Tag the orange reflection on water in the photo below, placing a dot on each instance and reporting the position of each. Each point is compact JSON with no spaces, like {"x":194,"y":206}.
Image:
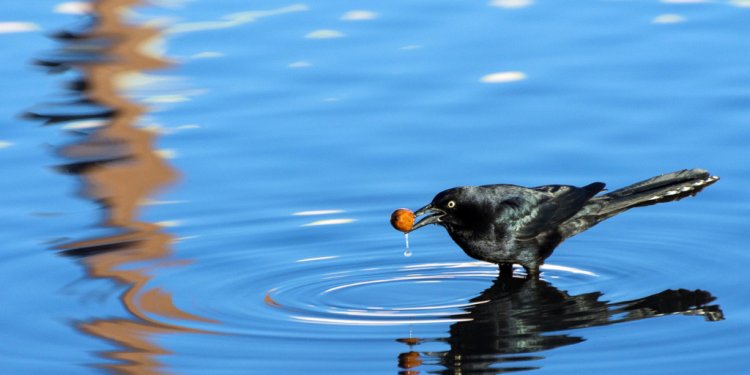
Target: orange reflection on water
{"x":119,"y":169}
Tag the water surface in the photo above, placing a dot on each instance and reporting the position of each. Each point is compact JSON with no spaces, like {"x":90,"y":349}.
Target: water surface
{"x":205,"y":186}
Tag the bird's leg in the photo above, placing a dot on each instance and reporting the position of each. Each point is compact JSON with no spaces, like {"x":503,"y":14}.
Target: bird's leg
{"x":506,"y":269}
{"x":532,"y":271}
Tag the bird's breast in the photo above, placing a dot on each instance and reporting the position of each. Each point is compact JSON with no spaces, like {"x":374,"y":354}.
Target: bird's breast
{"x":491,"y":245}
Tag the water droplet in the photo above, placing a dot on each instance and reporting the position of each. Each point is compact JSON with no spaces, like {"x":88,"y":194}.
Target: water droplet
{"x":407,"y":252}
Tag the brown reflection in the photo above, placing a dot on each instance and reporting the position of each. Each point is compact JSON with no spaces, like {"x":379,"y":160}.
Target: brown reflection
{"x":514,"y":321}
{"x":119,"y":169}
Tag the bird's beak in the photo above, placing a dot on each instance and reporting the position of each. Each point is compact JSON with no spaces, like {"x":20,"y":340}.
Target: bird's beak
{"x":434,"y":216}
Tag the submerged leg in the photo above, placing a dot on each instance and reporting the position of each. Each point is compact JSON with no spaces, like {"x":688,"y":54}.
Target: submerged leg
{"x":506,"y":269}
{"x":532,"y":272}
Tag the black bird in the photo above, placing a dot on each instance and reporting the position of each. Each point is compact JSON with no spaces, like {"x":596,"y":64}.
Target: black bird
{"x":509,"y":224}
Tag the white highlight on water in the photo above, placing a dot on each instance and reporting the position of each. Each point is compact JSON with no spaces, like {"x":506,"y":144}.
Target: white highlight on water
{"x":503,"y":77}
{"x":300,"y":64}
{"x":316,"y":259}
{"x":329,"y":222}
{"x":73,"y":7}
{"x":511,"y":4}
{"x":668,"y":18}
{"x":493,"y":267}
{"x":353,"y":322}
{"x":325,"y":34}
{"x":359,"y":15}
{"x":234,"y":19}
{"x":17,"y":27}
{"x":317,"y":212}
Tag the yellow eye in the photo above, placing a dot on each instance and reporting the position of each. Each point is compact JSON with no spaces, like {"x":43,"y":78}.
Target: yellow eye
{"x":451,"y":204}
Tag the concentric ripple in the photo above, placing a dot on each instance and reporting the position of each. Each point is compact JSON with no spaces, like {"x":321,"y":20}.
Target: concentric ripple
{"x":342,"y":291}
{"x":390,"y":295}
{"x":412,"y":294}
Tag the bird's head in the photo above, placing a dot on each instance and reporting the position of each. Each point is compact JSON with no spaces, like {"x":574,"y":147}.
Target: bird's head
{"x":452,"y":208}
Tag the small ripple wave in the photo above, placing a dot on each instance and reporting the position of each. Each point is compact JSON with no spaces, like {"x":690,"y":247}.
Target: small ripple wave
{"x":303,"y":299}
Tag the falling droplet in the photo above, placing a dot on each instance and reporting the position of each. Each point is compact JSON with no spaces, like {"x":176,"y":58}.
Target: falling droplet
{"x":407,"y":252}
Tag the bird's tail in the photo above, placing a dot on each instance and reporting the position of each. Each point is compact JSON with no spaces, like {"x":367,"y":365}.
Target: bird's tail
{"x":664,"y":188}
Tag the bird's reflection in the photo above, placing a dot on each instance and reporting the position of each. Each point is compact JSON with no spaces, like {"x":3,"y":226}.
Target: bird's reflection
{"x":512,"y":322}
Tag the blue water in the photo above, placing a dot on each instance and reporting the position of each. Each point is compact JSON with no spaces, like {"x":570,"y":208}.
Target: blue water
{"x":195,"y":186}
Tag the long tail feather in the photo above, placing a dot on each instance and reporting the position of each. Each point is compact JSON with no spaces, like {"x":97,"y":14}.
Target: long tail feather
{"x":664,"y":188}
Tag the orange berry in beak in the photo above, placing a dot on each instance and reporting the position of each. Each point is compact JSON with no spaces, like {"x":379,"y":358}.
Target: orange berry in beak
{"x":402,"y":219}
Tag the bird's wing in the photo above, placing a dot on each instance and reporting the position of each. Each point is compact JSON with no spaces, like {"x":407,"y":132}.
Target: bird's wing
{"x":557,"y":204}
